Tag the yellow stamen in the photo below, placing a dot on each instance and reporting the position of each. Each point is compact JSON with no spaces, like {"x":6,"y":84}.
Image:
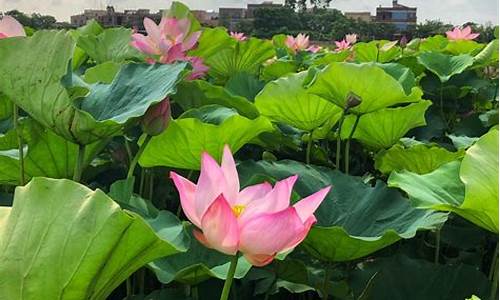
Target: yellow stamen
{"x":238,"y":210}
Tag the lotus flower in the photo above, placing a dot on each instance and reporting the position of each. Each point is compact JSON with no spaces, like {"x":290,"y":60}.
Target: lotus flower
{"x":342,"y":45}
{"x":169,"y":41}
{"x":351,"y":38}
{"x":314,"y":49}
{"x":301,"y":42}
{"x":257,"y":221}
{"x":464,"y":34}
{"x":10,"y":27}
{"x":239,"y":36}
{"x":199,"y":69}
{"x":157,"y":118}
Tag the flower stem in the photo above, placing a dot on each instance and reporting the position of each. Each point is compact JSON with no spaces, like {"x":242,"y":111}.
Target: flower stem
{"x":494,"y":263}
{"x":229,"y":278}
{"x":325,"y":283}
{"x":339,"y":142}
{"x":494,"y":275}
{"x":348,"y":145}
{"x":436,"y":250}
{"x":308,"y":149}
{"x":15,"y":117}
{"x":77,"y":175}
{"x":134,"y":161}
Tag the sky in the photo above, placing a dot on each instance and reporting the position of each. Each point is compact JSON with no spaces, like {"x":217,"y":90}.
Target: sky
{"x":453,"y":11}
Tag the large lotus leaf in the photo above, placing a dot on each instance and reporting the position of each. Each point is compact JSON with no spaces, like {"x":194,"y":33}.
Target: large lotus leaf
{"x":445,"y":66}
{"x":5,"y":107}
{"x":211,"y":42}
{"x":46,"y":154}
{"x":196,"y":93}
{"x":402,"y":278}
{"x":489,"y":55}
{"x":384,"y":128}
{"x":244,"y":57}
{"x":376,"y":88}
{"x":469,"y":189}
{"x":196,"y":265}
{"x":401,"y":73}
{"x":376,"y":52}
{"x":112,"y":44}
{"x":420,"y":158}
{"x":245,"y":85}
{"x":435,"y":43}
{"x":463,"y":47}
{"x":355,"y":219}
{"x":103,"y":73}
{"x":286,"y":100}
{"x":62,"y":240}
{"x":278,"y":69}
{"x":181,"y":145}
{"x":48,"y":94}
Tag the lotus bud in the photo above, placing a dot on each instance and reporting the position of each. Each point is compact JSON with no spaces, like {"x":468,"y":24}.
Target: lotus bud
{"x":353,"y":100}
{"x":403,"y":42}
{"x":157,"y":118}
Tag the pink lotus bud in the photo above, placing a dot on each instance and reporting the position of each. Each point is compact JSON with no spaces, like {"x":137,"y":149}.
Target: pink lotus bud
{"x":10,"y":27}
{"x":157,"y":118}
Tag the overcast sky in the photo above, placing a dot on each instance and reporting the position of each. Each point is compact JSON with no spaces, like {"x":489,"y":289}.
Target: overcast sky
{"x":453,"y":11}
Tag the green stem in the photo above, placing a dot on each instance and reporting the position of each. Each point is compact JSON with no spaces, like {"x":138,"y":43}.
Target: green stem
{"x":151,"y":185}
{"x":77,"y":175}
{"x":339,"y":142}
{"x":129,"y":288}
{"x":441,"y":108}
{"x":494,"y":284}
{"x":229,"y":278}
{"x":308,"y":149}
{"x":141,"y":275}
{"x":325,"y":283}
{"x":494,"y":264}
{"x":134,"y":161}
{"x":436,"y":250}
{"x":127,"y":148}
{"x":348,"y":145}
{"x":194,"y":292}
{"x":15,"y":117}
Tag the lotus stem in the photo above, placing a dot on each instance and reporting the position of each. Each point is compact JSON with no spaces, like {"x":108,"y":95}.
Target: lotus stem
{"x":348,"y":145}
{"x":494,"y":263}
{"x":15,"y":117}
{"x":229,"y":278}
{"x":134,"y":161}
{"x":308,"y":149}
{"x":194,"y":292}
{"x":77,"y":175}
{"x":441,"y":108}
{"x":339,"y":142}
{"x":494,"y":275}
{"x":129,"y":288}
{"x":325,"y":283}
{"x":436,"y":250}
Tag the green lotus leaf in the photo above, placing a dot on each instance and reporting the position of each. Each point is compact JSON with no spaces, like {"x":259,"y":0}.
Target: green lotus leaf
{"x":286,"y":100}
{"x":5,"y":107}
{"x":207,"y":129}
{"x":489,"y":55}
{"x":112,"y":44}
{"x":245,"y":85}
{"x":384,"y":128}
{"x":59,"y":100}
{"x":331,"y":57}
{"x":244,"y":57}
{"x":103,"y":73}
{"x":401,"y":73}
{"x":462,"y":141}
{"x":375,"y":51}
{"x":443,"y":65}
{"x":74,"y":243}
{"x":196,"y":265}
{"x":278,"y":69}
{"x":355,"y":219}
{"x":196,"y":93}
{"x":463,"y":47}
{"x":435,"y":43}
{"x":376,"y":88}
{"x":46,"y":154}
{"x":420,"y":159}
{"x":211,"y":42}
{"x":179,"y":10}
{"x":469,"y":189}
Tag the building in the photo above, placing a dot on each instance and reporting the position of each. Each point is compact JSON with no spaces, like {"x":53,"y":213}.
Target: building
{"x":230,"y":17}
{"x":112,"y":18}
{"x":401,"y":16}
{"x":207,"y":18}
{"x":359,"y":16}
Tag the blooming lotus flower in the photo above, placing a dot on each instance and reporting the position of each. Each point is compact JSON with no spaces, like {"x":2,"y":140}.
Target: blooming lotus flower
{"x":199,"y":69}
{"x":239,"y":36}
{"x":351,"y":38}
{"x":257,"y":221}
{"x":342,"y":45}
{"x":464,"y":34}
{"x":10,"y":27}
{"x":301,"y":42}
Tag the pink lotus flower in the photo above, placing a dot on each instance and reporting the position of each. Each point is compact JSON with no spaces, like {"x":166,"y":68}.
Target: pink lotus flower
{"x":301,"y":42}
{"x":342,"y":45}
{"x":239,"y":36}
{"x":10,"y":27}
{"x":169,"y":41}
{"x":464,"y":34}
{"x":257,"y":221}
{"x":157,"y":118}
{"x":351,"y":38}
{"x":314,"y":49}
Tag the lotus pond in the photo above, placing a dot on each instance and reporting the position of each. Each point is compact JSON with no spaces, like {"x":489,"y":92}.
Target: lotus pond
{"x":194,"y":163}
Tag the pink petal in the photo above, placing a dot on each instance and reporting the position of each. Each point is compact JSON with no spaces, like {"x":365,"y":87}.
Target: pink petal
{"x":210,"y":184}
{"x":183,"y":26}
{"x":10,"y":27}
{"x":259,"y":260}
{"x":466,"y":31}
{"x":290,"y":42}
{"x":302,"y":235}
{"x":186,"y":191}
{"x":141,"y":43}
{"x":170,"y":27}
{"x":253,"y":192}
{"x":472,"y":36}
{"x":201,"y":238}
{"x":306,"y":207}
{"x":191,"y":41}
{"x":153,"y":30}
{"x":228,"y":167}
{"x":220,"y":227}
{"x":270,"y":233}
{"x":276,"y":200}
